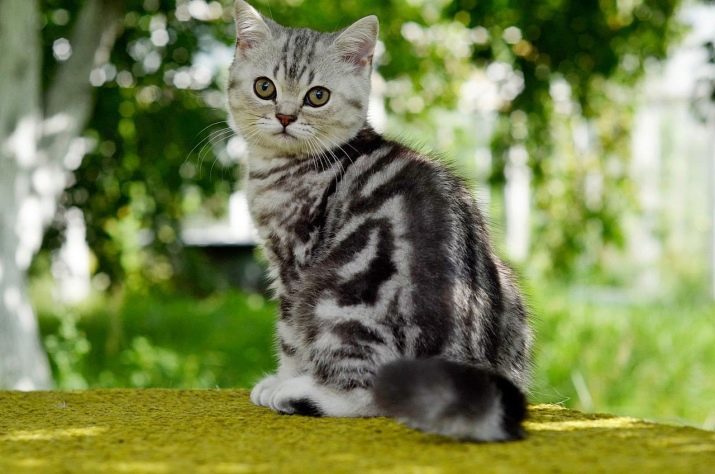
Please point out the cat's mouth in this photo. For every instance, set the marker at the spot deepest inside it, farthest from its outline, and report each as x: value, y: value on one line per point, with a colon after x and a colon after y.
x: 285, y: 135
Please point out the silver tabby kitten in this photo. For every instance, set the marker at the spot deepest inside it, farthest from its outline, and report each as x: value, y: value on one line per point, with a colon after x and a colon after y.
x: 391, y: 299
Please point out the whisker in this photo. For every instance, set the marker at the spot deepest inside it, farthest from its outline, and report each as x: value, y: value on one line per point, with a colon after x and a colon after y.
x: 317, y: 152
x: 320, y: 155
x: 210, y: 125
x: 338, y: 161
x: 208, y: 137
x: 213, y: 140
x: 347, y: 155
x: 312, y: 154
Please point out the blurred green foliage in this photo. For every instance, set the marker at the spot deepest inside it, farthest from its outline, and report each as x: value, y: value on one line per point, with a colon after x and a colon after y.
x: 159, y: 340
x: 137, y: 181
x: 68, y: 347
x: 158, y: 123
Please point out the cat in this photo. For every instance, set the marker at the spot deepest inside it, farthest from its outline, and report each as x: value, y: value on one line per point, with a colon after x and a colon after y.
x: 392, y: 302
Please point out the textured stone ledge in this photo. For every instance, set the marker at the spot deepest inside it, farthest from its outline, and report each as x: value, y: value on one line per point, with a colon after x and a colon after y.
x: 217, y: 431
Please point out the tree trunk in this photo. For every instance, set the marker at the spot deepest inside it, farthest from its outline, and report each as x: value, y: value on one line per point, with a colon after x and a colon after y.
x: 33, y: 146
x: 23, y: 364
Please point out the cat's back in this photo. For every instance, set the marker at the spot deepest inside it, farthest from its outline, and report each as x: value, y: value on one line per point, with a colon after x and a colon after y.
x: 403, y: 226
x: 421, y: 198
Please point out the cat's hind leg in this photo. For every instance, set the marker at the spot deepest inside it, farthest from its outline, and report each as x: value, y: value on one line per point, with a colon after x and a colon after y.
x: 337, y: 377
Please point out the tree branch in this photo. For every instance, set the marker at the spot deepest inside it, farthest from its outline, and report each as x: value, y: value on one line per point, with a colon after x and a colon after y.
x: 68, y: 102
x: 20, y: 70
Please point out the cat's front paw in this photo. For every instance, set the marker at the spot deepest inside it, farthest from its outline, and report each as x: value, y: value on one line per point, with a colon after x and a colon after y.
x: 296, y: 396
x: 262, y: 392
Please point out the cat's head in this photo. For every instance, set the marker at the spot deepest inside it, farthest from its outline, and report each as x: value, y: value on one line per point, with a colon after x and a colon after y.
x: 299, y: 91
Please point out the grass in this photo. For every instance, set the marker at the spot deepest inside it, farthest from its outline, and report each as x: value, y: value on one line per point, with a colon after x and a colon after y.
x: 652, y: 360
x: 593, y: 353
x: 154, y: 340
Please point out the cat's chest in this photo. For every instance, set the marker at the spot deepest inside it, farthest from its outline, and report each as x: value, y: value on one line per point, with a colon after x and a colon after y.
x: 287, y: 212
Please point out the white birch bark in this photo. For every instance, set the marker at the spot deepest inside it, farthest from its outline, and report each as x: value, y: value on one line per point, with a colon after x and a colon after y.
x: 35, y: 137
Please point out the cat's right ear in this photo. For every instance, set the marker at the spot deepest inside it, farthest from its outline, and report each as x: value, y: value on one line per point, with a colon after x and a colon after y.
x: 250, y: 27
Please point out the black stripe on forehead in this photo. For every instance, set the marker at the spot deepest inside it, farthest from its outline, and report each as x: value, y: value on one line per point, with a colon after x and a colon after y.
x: 284, y: 52
x: 297, y: 54
x: 299, y: 45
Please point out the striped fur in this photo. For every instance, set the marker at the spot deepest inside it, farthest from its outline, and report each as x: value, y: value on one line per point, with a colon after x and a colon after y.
x: 378, y: 254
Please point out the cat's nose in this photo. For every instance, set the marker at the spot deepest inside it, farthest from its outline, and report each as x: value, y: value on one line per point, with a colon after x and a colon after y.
x: 286, y: 120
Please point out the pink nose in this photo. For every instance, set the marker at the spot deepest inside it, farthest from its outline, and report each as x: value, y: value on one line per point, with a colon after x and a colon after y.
x: 286, y: 120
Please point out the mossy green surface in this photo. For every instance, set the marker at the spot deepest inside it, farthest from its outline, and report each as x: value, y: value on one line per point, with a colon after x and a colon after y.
x: 217, y: 431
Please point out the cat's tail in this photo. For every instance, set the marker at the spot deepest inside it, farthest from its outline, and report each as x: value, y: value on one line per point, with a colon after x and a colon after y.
x: 452, y: 399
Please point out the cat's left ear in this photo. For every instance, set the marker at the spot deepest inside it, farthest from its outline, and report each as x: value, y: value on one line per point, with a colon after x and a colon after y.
x: 356, y: 44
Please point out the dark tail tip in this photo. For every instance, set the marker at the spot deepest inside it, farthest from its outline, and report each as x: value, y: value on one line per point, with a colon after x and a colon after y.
x: 452, y: 399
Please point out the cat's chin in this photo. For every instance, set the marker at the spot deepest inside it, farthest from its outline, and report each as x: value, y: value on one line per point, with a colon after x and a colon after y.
x: 285, y: 136
x: 280, y: 144
x: 286, y: 142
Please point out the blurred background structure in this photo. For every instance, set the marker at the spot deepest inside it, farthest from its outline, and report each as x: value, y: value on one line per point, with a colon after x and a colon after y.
x: 586, y: 127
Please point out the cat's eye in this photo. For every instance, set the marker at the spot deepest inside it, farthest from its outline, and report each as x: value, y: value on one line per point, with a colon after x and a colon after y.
x: 317, y: 96
x: 264, y: 88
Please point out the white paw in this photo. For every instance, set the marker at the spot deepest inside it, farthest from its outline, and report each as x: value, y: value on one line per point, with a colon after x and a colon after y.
x: 297, y: 395
x: 263, y: 391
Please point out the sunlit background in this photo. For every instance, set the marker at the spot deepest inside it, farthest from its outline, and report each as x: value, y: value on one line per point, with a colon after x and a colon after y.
x: 586, y: 128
